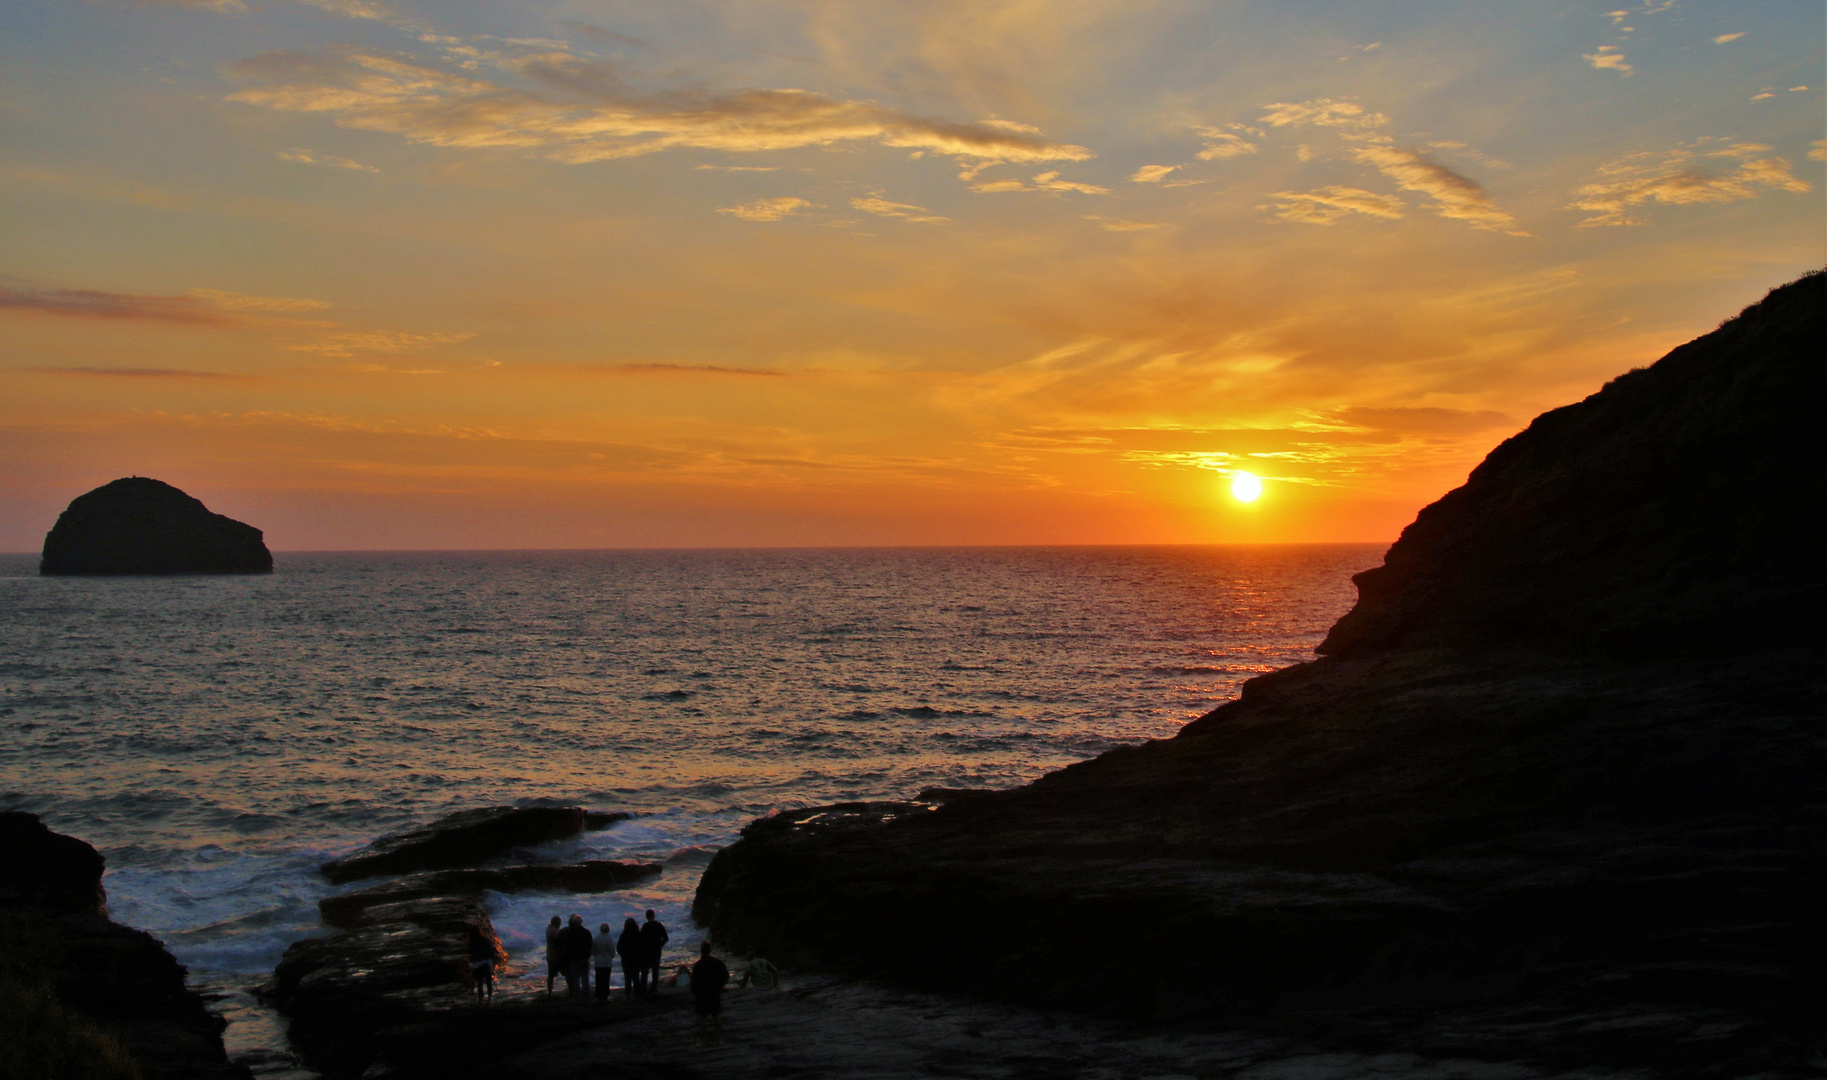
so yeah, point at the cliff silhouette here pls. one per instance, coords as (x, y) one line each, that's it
(1551, 793)
(138, 525)
(1672, 510)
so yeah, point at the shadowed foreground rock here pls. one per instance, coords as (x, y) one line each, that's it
(1554, 795)
(465, 838)
(55, 936)
(137, 525)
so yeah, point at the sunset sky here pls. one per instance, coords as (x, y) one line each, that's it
(814, 272)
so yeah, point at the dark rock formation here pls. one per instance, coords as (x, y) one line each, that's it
(137, 525)
(55, 938)
(1494, 823)
(47, 869)
(595, 876)
(1671, 510)
(397, 973)
(395, 963)
(465, 838)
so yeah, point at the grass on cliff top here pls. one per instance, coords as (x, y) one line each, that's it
(41, 1039)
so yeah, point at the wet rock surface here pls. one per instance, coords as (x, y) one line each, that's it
(393, 965)
(138, 525)
(54, 933)
(395, 979)
(1551, 799)
(465, 838)
(821, 1027)
(350, 908)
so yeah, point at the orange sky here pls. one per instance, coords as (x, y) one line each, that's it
(737, 272)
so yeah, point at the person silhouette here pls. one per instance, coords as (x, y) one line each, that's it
(575, 943)
(708, 978)
(653, 941)
(554, 953)
(634, 968)
(602, 953)
(482, 965)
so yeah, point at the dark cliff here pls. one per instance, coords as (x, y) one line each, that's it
(137, 525)
(1674, 509)
(1552, 796)
(81, 995)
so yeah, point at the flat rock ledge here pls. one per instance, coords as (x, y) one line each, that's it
(466, 838)
(396, 974)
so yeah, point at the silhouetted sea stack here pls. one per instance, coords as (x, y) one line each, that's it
(1553, 795)
(137, 525)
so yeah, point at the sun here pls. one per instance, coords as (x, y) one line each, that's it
(1246, 487)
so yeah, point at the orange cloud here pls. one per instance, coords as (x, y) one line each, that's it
(1329, 204)
(600, 118)
(1680, 177)
(1454, 195)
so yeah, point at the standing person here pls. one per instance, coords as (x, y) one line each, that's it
(602, 953)
(576, 941)
(653, 940)
(554, 953)
(708, 978)
(634, 968)
(482, 965)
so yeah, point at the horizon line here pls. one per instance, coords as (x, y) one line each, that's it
(790, 547)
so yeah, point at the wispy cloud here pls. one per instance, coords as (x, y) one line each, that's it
(234, 301)
(345, 343)
(283, 317)
(354, 9)
(1608, 58)
(139, 373)
(880, 207)
(220, 7)
(300, 156)
(1454, 195)
(690, 369)
(200, 306)
(587, 113)
(1817, 151)
(1723, 38)
(1151, 174)
(1047, 181)
(767, 209)
(1329, 204)
(1420, 421)
(604, 35)
(1220, 143)
(1120, 225)
(94, 304)
(1683, 176)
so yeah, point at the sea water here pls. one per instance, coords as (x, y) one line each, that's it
(218, 738)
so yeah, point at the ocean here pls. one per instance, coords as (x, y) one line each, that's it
(218, 738)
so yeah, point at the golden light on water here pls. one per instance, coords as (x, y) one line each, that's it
(1246, 487)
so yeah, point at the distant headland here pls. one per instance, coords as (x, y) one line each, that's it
(138, 525)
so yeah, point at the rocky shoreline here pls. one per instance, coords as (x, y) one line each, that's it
(1551, 794)
(393, 980)
(1547, 805)
(94, 998)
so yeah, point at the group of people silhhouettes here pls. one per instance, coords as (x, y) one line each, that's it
(572, 952)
